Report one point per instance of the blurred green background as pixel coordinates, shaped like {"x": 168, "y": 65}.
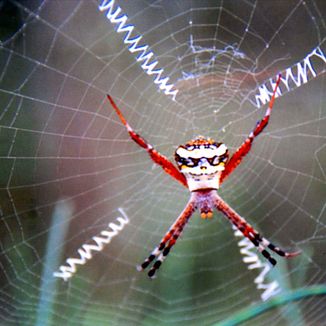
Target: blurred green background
{"x": 67, "y": 164}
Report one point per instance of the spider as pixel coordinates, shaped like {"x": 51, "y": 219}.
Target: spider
{"x": 202, "y": 166}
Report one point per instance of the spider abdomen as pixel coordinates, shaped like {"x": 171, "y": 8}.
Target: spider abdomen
{"x": 203, "y": 181}
{"x": 201, "y": 161}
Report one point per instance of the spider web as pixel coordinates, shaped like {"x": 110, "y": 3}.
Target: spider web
{"x": 68, "y": 168}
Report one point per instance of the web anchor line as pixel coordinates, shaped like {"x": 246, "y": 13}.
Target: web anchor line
{"x": 295, "y": 76}
{"x": 146, "y": 57}
{"x": 85, "y": 252}
{"x": 251, "y": 258}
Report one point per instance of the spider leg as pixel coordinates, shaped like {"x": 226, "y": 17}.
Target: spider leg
{"x": 244, "y": 149}
{"x": 158, "y": 158}
{"x": 168, "y": 241}
{"x": 249, "y": 232}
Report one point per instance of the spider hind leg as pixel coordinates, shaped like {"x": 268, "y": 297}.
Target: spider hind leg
{"x": 156, "y": 257}
{"x": 276, "y": 249}
{"x": 159, "y": 254}
{"x": 250, "y": 233}
{"x": 262, "y": 243}
{"x": 154, "y": 254}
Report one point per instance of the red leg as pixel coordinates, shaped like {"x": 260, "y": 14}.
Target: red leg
{"x": 168, "y": 241}
{"x": 244, "y": 149}
{"x": 158, "y": 158}
{"x": 248, "y": 231}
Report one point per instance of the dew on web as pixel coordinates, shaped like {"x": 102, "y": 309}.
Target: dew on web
{"x": 80, "y": 201}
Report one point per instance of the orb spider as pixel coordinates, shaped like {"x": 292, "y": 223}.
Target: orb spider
{"x": 202, "y": 166}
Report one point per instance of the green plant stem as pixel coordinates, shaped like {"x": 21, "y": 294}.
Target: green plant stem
{"x": 254, "y": 311}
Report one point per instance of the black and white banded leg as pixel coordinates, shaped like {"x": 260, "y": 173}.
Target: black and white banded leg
{"x": 159, "y": 254}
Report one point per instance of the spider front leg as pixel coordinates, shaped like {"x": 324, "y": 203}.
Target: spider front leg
{"x": 244, "y": 149}
{"x": 158, "y": 158}
{"x": 168, "y": 241}
{"x": 249, "y": 232}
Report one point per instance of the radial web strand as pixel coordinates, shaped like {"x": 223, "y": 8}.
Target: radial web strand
{"x": 69, "y": 170}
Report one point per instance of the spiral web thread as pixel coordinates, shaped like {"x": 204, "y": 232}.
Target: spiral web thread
{"x": 176, "y": 70}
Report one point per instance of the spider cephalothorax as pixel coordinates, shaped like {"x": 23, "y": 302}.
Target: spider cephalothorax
{"x": 203, "y": 165}
{"x": 202, "y": 160}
